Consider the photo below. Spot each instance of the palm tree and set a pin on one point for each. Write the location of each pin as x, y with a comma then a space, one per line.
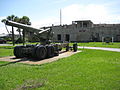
23, 20
11, 18
16, 19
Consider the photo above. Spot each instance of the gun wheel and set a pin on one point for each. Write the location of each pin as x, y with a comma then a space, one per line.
41, 52
18, 51
50, 51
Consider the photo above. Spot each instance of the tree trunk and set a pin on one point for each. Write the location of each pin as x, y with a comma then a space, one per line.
23, 37
13, 39
20, 36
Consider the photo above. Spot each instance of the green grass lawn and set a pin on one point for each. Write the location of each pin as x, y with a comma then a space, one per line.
6, 51
100, 44
88, 70
25, 43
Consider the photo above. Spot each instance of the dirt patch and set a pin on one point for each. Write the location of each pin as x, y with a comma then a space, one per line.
33, 61
31, 84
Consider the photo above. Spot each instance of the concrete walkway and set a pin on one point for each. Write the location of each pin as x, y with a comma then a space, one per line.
5, 44
12, 59
101, 48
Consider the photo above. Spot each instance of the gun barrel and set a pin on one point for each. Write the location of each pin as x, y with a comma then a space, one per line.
43, 34
22, 26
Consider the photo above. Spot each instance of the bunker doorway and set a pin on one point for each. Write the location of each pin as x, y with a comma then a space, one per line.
59, 37
67, 37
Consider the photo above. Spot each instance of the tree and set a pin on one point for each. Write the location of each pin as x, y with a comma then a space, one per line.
11, 18
16, 19
3, 20
23, 20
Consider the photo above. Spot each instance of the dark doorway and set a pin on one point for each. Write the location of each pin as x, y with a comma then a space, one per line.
84, 24
67, 37
59, 37
118, 38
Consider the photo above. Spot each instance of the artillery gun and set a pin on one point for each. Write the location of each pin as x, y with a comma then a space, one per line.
40, 51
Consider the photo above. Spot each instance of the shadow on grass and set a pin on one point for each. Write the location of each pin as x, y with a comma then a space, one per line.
19, 60
10, 63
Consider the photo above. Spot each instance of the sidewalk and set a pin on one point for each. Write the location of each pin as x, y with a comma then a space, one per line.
5, 44
101, 48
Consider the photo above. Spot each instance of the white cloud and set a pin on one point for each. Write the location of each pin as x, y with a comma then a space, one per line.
2, 18
96, 13
45, 22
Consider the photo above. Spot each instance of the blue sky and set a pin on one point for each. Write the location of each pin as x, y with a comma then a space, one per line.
46, 12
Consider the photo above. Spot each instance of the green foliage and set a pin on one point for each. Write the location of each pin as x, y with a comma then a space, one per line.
7, 38
16, 19
11, 18
25, 20
3, 20
88, 70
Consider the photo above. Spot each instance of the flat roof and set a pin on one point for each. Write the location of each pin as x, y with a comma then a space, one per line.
83, 21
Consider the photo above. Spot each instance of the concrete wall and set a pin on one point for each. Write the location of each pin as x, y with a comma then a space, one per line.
86, 31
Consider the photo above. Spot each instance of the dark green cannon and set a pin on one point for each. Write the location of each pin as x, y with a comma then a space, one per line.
43, 50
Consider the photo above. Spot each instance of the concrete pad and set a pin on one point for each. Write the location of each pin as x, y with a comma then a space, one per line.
33, 61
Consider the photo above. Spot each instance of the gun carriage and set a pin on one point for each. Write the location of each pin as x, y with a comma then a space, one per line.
45, 49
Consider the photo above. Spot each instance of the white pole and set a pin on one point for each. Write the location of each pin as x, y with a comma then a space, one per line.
60, 17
